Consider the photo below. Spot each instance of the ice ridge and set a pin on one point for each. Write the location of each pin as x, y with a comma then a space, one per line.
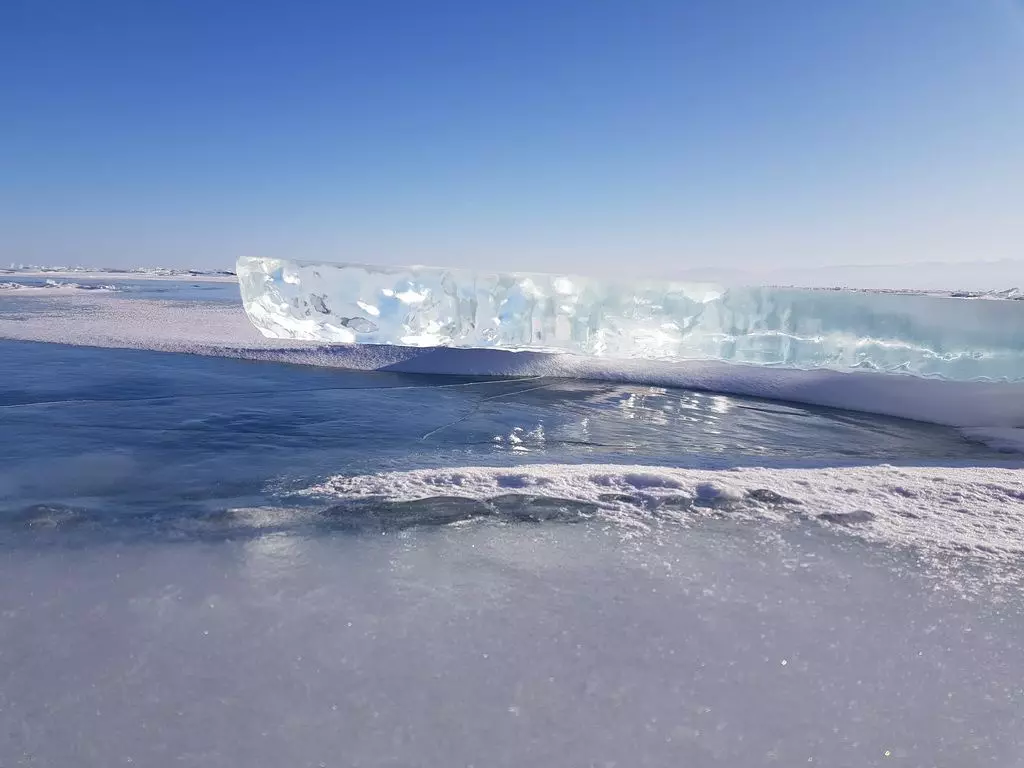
956, 338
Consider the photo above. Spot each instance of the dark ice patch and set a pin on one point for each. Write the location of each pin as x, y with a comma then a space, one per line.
857, 517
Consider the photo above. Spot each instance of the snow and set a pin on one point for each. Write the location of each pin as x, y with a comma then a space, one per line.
134, 273
976, 509
54, 288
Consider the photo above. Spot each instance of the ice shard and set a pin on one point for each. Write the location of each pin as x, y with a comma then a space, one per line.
953, 337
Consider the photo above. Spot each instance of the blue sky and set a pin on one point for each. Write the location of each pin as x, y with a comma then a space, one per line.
590, 135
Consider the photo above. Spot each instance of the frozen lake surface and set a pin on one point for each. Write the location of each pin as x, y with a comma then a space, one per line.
219, 562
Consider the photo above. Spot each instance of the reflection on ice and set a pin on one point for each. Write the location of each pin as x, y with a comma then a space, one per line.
502, 646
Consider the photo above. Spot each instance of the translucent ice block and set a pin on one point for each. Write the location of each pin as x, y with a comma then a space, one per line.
946, 336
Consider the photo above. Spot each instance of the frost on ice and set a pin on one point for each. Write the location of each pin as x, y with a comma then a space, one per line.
929, 335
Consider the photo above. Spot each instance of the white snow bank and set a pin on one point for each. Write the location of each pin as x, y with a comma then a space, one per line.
969, 509
133, 274
55, 288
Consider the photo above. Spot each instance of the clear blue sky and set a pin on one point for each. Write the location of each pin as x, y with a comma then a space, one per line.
572, 134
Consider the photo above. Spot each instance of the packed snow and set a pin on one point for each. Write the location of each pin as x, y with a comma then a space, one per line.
52, 287
980, 510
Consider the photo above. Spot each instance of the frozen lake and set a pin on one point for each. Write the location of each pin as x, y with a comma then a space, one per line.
221, 562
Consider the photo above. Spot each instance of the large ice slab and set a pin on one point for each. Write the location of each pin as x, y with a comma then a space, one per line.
951, 337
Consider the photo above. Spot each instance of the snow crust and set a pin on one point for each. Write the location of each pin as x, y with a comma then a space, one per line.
974, 509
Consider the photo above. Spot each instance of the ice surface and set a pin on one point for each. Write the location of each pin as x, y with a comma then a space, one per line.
955, 338
501, 646
194, 571
121, 320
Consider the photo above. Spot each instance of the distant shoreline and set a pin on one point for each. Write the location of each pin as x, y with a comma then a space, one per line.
126, 275
215, 277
